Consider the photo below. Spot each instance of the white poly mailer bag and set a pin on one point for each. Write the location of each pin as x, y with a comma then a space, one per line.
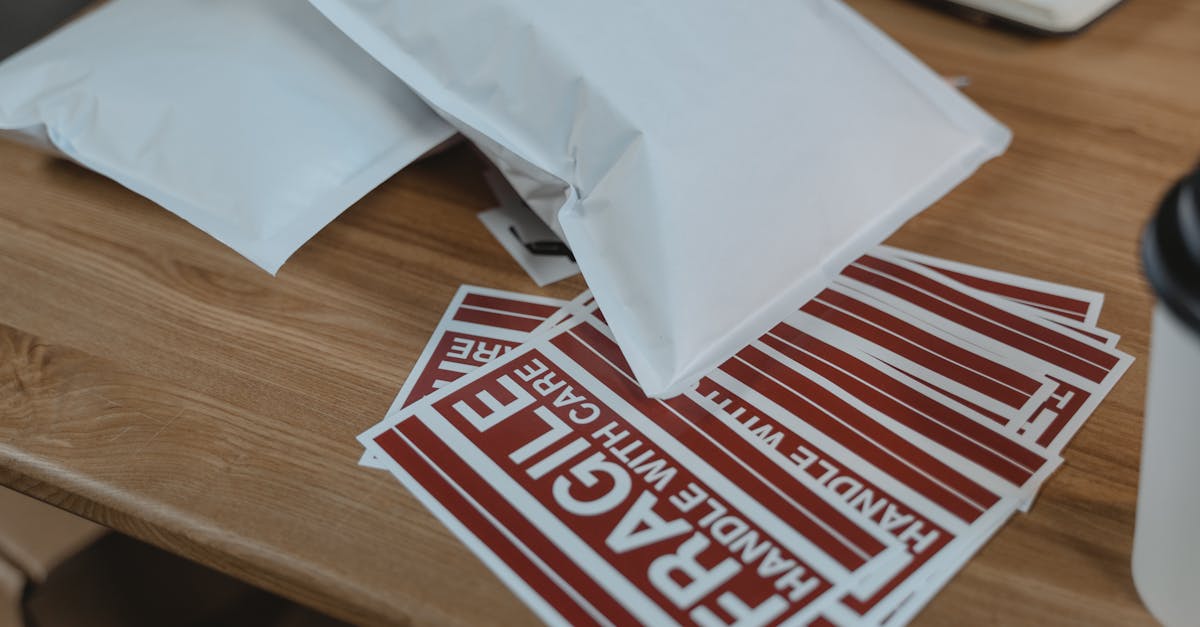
711, 164
256, 120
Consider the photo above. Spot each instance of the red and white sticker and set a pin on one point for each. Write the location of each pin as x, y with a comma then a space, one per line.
930, 506
479, 325
911, 406
599, 505
1052, 300
867, 387
982, 383
938, 481
1071, 308
1082, 371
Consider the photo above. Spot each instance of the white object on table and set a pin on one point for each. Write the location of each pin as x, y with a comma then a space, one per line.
711, 168
257, 121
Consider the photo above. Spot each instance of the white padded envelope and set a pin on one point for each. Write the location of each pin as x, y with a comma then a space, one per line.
712, 164
257, 121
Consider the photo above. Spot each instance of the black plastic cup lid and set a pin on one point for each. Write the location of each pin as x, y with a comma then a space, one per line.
1171, 251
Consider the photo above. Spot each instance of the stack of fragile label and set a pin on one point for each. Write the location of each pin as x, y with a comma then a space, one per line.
839, 470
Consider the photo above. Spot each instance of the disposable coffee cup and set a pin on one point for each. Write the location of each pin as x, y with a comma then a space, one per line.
1166, 546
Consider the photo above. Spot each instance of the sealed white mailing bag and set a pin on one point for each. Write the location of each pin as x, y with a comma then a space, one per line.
710, 163
256, 120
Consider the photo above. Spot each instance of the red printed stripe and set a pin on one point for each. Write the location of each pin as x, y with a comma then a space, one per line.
953, 362
510, 305
871, 441
986, 413
917, 411
431, 379
1084, 332
1049, 310
607, 348
790, 441
1066, 402
1054, 303
501, 439
947, 349
451, 347
483, 529
851, 546
493, 319
1035, 339
919, 402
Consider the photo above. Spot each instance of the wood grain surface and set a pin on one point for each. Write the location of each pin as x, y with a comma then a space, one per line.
154, 381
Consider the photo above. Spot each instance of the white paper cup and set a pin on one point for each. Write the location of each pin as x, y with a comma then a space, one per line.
1166, 547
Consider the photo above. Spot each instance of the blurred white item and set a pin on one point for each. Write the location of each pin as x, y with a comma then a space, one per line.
711, 166
1166, 556
1050, 16
255, 120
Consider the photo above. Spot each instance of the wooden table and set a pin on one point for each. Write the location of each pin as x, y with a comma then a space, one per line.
152, 380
